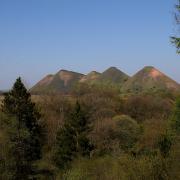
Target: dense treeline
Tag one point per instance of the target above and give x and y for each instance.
(96, 133)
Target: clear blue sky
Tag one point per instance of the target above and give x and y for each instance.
(38, 37)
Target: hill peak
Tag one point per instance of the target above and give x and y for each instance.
(149, 67)
(92, 76)
(62, 81)
(150, 79)
(114, 75)
(112, 68)
(64, 72)
(151, 72)
(93, 73)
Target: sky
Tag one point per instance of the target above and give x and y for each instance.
(40, 37)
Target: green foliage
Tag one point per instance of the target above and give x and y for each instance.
(7, 160)
(100, 100)
(124, 167)
(127, 131)
(176, 117)
(142, 107)
(54, 109)
(165, 144)
(72, 140)
(25, 133)
(176, 40)
(112, 136)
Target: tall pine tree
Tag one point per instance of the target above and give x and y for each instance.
(26, 141)
(72, 140)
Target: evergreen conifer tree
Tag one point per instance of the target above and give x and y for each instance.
(72, 140)
(26, 141)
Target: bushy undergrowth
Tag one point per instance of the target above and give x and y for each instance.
(124, 167)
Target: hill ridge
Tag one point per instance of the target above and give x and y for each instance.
(147, 79)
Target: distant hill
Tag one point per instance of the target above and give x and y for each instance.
(62, 81)
(113, 75)
(150, 79)
(147, 79)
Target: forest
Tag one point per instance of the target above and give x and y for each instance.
(95, 133)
